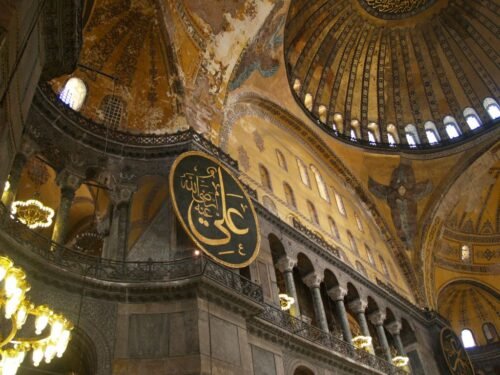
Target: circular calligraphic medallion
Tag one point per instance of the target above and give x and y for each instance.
(214, 209)
(453, 351)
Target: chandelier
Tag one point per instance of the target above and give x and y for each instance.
(33, 213)
(286, 302)
(52, 331)
(363, 342)
(400, 361)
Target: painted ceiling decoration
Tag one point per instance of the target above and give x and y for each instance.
(390, 9)
(361, 73)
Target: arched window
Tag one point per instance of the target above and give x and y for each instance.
(361, 269)
(289, 196)
(265, 178)
(490, 332)
(281, 160)
(112, 107)
(322, 189)
(451, 127)
(338, 122)
(308, 102)
(492, 108)
(322, 113)
(468, 338)
(353, 135)
(465, 254)
(358, 222)
(352, 243)
(304, 176)
(369, 254)
(392, 135)
(74, 93)
(373, 133)
(269, 204)
(297, 85)
(384, 267)
(411, 135)
(340, 203)
(431, 133)
(371, 137)
(472, 118)
(312, 213)
(333, 228)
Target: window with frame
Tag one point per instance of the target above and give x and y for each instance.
(369, 255)
(451, 127)
(492, 108)
(265, 178)
(467, 338)
(472, 118)
(289, 195)
(384, 267)
(358, 222)
(312, 213)
(304, 176)
(465, 253)
(112, 108)
(74, 93)
(490, 332)
(281, 160)
(361, 269)
(333, 228)
(320, 183)
(340, 203)
(352, 243)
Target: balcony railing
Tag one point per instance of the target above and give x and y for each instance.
(125, 272)
(306, 331)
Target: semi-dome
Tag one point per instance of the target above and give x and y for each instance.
(421, 74)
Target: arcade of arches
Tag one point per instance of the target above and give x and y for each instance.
(365, 132)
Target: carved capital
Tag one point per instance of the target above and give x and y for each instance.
(286, 264)
(337, 293)
(377, 318)
(122, 194)
(394, 327)
(68, 180)
(312, 280)
(28, 148)
(358, 306)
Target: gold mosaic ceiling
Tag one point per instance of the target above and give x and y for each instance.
(405, 71)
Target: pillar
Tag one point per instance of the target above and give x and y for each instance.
(313, 281)
(337, 294)
(285, 265)
(117, 242)
(358, 307)
(68, 183)
(394, 329)
(377, 318)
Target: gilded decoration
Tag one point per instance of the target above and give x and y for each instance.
(395, 8)
(214, 209)
(456, 357)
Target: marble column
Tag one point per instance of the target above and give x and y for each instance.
(358, 307)
(285, 265)
(69, 183)
(313, 281)
(337, 294)
(117, 242)
(377, 318)
(9, 195)
(394, 329)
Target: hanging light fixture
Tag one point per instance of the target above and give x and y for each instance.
(52, 331)
(286, 301)
(33, 213)
(363, 343)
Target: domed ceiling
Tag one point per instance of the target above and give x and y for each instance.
(369, 64)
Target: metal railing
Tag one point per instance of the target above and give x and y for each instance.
(306, 331)
(125, 271)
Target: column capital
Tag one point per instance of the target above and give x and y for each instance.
(337, 293)
(394, 327)
(122, 194)
(28, 148)
(286, 264)
(377, 318)
(312, 280)
(358, 306)
(67, 179)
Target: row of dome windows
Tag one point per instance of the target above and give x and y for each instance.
(433, 138)
(489, 331)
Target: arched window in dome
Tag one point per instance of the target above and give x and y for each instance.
(304, 176)
(333, 228)
(322, 112)
(74, 93)
(361, 269)
(265, 178)
(451, 127)
(322, 188)
(352, 243)
(371, 137)
(431, 133)
(312, 213)
(358, 222)
(411, 135)
(289, 196)
(297, 85)
(269, 204)
(281, 160)
(354, 132)
(468, 338)
(338, 122)
(369, 255)
(308, 102)
(472, 118)
(392, 135)
(465, 253)
(373, 133)
(340, 203)
(492, 108)
(384, 267)
(112, 108)
(490, 332)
